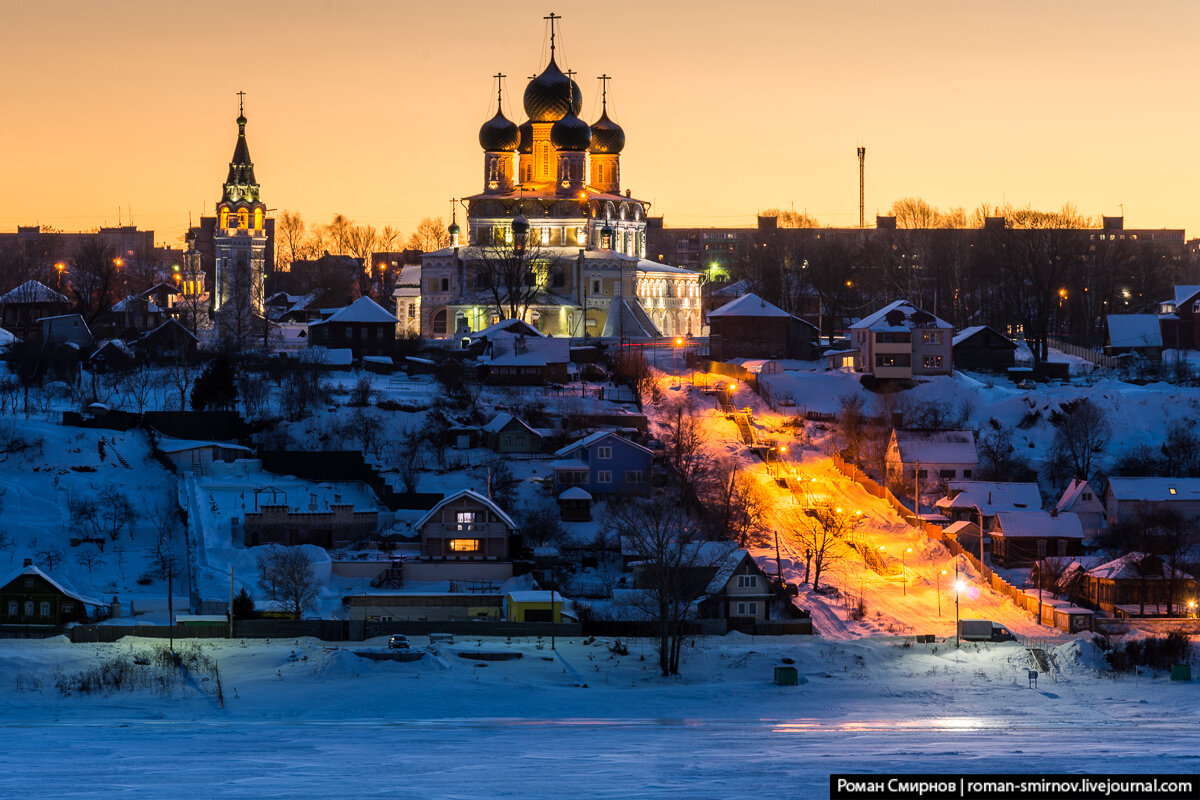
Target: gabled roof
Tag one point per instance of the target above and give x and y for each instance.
(474, 496)
(515, 327)
(975, 330)
(61, 587)
(1074, 489)
(1134, 330)
(575, 493)
(728, 565)
(1037, 524)
(115, 344)
(501, 421)
(936, 447)
(168, 324)
(1130, 566)
(878, 320)
(32, 291)
(592, 439)
(362, 310)
(990, 497)
(1155, 489)
(961, 527)
(749, 305)
(169, 445)
(628, 320)
(1183, 294)
(129, 304)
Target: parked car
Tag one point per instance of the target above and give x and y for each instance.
(397, 642)
(983, 630)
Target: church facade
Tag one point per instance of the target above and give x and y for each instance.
(551, 238)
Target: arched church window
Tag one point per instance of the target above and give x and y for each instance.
(224, 217)
(439, 322)
(258, 219)
(243, 218)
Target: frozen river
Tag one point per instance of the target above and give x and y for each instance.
(553, 758)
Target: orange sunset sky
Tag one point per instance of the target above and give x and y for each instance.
(372, 109)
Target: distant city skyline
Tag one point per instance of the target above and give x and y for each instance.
(371, 109)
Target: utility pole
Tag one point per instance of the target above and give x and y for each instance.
(231, 601)
(862, 169)
(171, 604)
(917, 489)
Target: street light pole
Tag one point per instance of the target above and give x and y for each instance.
(957, 590)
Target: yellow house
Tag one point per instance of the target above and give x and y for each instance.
(533, 606)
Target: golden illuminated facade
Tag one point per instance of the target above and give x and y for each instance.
(240, 245)
(561, 177)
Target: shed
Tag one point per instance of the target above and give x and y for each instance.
(533, 605)
(983, 348)
(575, 504)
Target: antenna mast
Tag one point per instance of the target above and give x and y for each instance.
(862, 170)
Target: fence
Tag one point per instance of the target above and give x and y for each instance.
(1086, 353)
(329, 630)
(996, 582)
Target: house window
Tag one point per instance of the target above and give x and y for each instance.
(892, 360)
(45, 609)
(445, 284)
(1062, 547)
(946, 474)
(464, 545)
(68, 608)
(29, 583)
(931, 362)
(747, 581)
(29, 608)
(966, 473)
(931, 337)
(465, 520)
(439, 321)
(604, 452)
(634, 476)
(747, 609)
(12, 608)
(604, 476)
(412, 310)
(595, 287)
(1087, 495)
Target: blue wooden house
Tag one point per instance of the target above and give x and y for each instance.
(603, 463)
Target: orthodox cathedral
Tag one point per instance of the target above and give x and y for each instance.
(552, 196)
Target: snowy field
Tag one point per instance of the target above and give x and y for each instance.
(303, 720)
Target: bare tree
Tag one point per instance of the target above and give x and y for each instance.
(822, 531)
(686, 452)
(52, 556)
(514, 276)
(115, 512)
(431, 234)
(89, 558)
(285, 574)
(674, 568)
(289, 240)
(1082, 432)
(734, 501)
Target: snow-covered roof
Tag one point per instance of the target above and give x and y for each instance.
(727, 566)
(575, 493)
(736, 289)
(967, 333)
(646, 265)
(500, 421)
(1037, 524)
(116, 344)
(131, 302)
(1129, 566)
(458, 496)
(878, 320)
(1155, 489)
(749, 305)
(1074, 489)
(936, 447)
(332, 356)
(628, 320)
(386, 360)
(59, 585)
(1183, 293)
(591, 439)
(6, 337)
(514, 326)
(535, 596)
(169, 445)
(362, 310)
(33, 292)
(568, 463)
(1134, 330)
(990, 497)
(961, 527)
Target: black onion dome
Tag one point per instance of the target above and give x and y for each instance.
(571, 134)
(607, 136)
(526, 130)
(499, 134)
(550, 95)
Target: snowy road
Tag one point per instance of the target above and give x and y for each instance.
(552, 758)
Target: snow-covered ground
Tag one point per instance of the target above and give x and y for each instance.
(302, 719)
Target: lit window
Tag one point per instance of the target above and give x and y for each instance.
(931, 337)
(464, 545)
(931, 362)
(465, 519)
(1171, 490)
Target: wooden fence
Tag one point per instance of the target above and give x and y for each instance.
(932, 531)
(1091, 354)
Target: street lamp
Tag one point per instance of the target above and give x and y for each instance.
(904, 570)
(938, 578)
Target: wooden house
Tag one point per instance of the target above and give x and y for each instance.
(168, 342)
(930, 457)
(466, 526)
(1125, 498)
(983, 348)
(1021, 538)
(1137, 334)
(509, 434)
(30, 597)
(23, 308)
(603, 463)
(1179, 318)
(364, 326)
(1083, 501)
(979, 501)
(1138, 584)
(738, 590)
(750, 327)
